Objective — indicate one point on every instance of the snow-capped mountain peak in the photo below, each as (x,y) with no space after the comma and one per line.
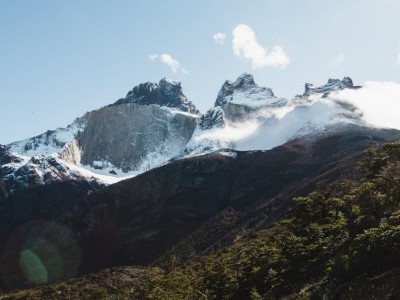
(244,91)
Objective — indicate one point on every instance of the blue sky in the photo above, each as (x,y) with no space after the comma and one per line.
(61,58)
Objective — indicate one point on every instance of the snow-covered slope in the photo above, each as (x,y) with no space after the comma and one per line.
(50,142)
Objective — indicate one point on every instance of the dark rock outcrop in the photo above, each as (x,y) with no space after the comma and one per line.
(213,118)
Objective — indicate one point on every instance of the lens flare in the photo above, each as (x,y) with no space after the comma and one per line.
(40,252)
(32,267)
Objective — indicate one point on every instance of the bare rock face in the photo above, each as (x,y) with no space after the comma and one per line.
(71,153)
(133,136)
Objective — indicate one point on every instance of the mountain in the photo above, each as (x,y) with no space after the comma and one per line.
(151,124)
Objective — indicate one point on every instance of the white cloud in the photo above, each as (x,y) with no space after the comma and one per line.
(269,128)
(169,61)
(398,59)
(379,102)
(246,47)
(337,61)
(219,38)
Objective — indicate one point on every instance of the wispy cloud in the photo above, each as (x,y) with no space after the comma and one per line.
(169,61)
(398,58)
(337,61)
(219,38)
(246,47)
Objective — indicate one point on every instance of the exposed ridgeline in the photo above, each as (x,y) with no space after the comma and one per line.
(331,86)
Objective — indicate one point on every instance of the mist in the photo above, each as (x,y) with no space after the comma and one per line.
(378,101)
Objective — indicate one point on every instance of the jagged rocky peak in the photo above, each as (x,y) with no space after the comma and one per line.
(331,86)
(165,93)
(213,118)
(244,84)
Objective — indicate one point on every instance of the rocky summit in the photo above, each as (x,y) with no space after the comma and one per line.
(166,93)
(243,84)
(240,98)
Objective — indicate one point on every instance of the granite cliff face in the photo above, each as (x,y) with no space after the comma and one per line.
(133,136)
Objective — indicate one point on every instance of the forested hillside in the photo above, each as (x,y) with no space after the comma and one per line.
(342,241)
